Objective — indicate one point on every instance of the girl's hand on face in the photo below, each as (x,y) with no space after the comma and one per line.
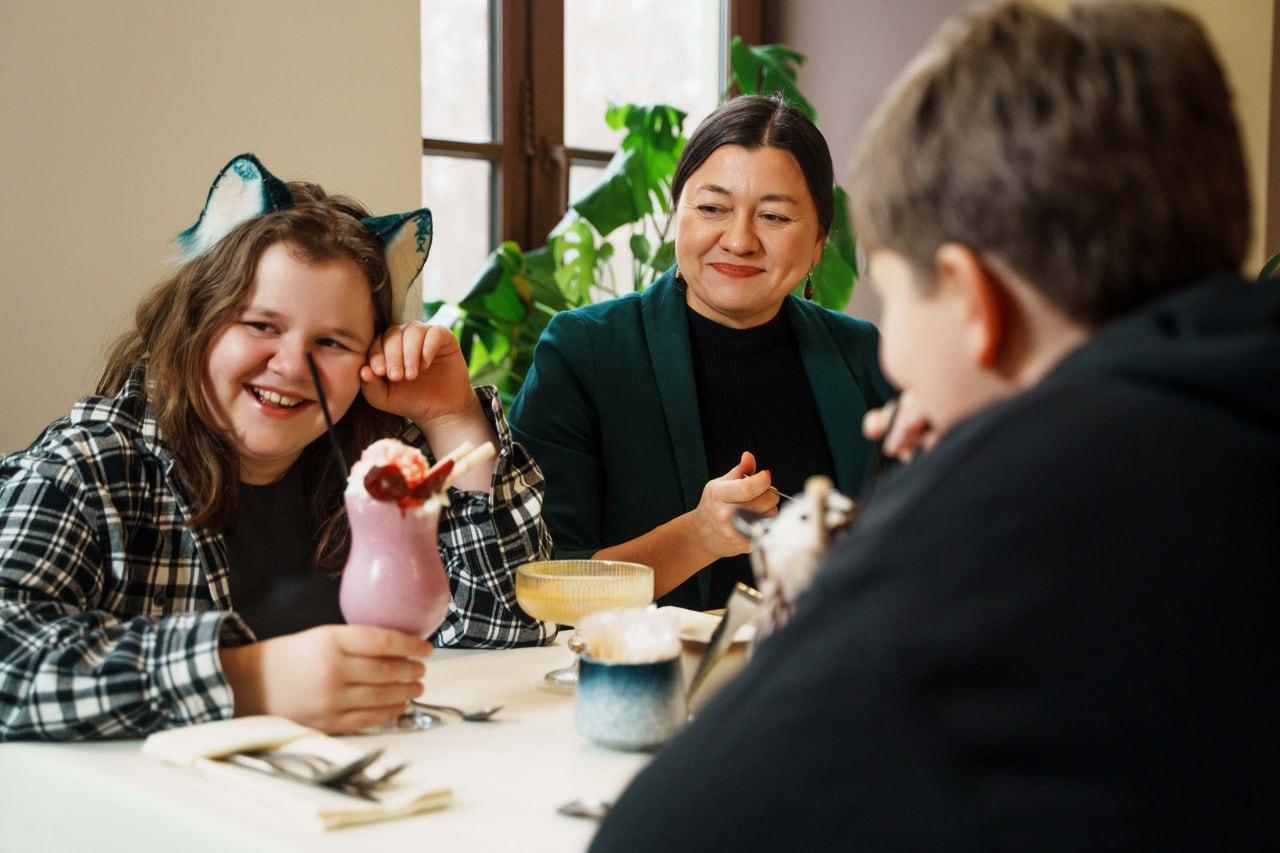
(742,486)
(417,371)
(335,678)
(912,429)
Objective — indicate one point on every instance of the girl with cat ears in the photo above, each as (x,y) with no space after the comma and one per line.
(177,535)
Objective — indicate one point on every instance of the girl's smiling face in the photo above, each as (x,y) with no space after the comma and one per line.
(257,380)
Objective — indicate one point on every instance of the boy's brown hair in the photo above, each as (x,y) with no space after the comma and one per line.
(1096,154)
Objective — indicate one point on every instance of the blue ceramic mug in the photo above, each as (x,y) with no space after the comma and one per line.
(629,705)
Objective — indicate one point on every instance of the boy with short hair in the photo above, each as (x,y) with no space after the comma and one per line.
(1049,631)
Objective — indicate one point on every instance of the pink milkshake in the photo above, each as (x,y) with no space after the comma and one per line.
(394,577)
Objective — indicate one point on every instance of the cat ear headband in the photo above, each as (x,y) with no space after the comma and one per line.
(245,190)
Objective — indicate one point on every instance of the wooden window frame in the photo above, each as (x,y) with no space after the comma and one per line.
(529,183)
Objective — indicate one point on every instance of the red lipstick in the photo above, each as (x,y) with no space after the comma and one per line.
(736,271)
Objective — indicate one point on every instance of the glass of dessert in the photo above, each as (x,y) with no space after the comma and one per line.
(564,591)
(394,576)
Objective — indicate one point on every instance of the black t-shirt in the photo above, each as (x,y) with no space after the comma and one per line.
(754,395)
(275,585)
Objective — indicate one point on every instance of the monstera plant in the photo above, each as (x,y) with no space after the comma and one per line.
(517,291)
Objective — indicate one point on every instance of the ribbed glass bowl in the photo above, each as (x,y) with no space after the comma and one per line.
(564,591)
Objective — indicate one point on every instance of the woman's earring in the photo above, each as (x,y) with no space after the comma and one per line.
(679,278)
(808,287)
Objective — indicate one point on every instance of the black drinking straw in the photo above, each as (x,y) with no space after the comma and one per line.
(328,420)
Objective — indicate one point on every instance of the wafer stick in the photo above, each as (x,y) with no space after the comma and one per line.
(473,457)
(458,452)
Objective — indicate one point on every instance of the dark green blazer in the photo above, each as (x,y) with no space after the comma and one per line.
(609,410)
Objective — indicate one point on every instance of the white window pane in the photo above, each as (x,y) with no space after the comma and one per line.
(456,82)
(619,278)
(458,192)
(638,51)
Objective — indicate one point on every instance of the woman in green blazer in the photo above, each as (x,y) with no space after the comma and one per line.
(656,414)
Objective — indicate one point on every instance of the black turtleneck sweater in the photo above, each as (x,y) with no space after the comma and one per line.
(753,395)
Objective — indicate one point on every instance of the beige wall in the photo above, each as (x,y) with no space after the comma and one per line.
(1243,32)
(856,47)
(117,114)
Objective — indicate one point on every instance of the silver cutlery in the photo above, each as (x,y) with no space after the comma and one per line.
(319,766)
(334,773)
(591,808)
(348,778)
(479,716)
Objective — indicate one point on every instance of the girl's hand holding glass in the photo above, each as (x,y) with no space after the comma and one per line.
(335,678)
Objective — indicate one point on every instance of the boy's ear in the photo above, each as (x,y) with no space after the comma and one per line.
(984,302)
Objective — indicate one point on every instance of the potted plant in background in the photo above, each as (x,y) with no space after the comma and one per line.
(517,292)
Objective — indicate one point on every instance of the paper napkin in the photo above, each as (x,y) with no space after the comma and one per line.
(202,748)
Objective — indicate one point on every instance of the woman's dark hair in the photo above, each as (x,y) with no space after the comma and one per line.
(754,121)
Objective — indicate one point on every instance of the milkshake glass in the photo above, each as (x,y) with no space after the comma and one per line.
(394,577)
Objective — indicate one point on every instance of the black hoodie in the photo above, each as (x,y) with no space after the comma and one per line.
(1049,633)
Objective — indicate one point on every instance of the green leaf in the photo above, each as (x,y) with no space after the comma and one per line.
(615,115)
(575,255)
(639,245)
(640,172)
(664,257)
(765,69)
(491,373)
(655,126)
(539,262)
(1270,266)
(490,274)
(430,308)
(841,234)
(504,303)
(620,196)
(538,272)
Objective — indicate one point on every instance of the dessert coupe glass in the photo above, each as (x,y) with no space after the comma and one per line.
(564,591)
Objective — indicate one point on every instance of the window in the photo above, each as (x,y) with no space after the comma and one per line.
(513,100)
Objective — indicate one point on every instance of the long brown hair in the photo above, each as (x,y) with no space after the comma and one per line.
(175,326)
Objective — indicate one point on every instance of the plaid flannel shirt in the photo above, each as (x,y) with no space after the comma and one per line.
(112,609)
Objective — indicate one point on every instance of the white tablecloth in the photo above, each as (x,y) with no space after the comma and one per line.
(508,777)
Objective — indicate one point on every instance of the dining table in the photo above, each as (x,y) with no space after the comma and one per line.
(509,775)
